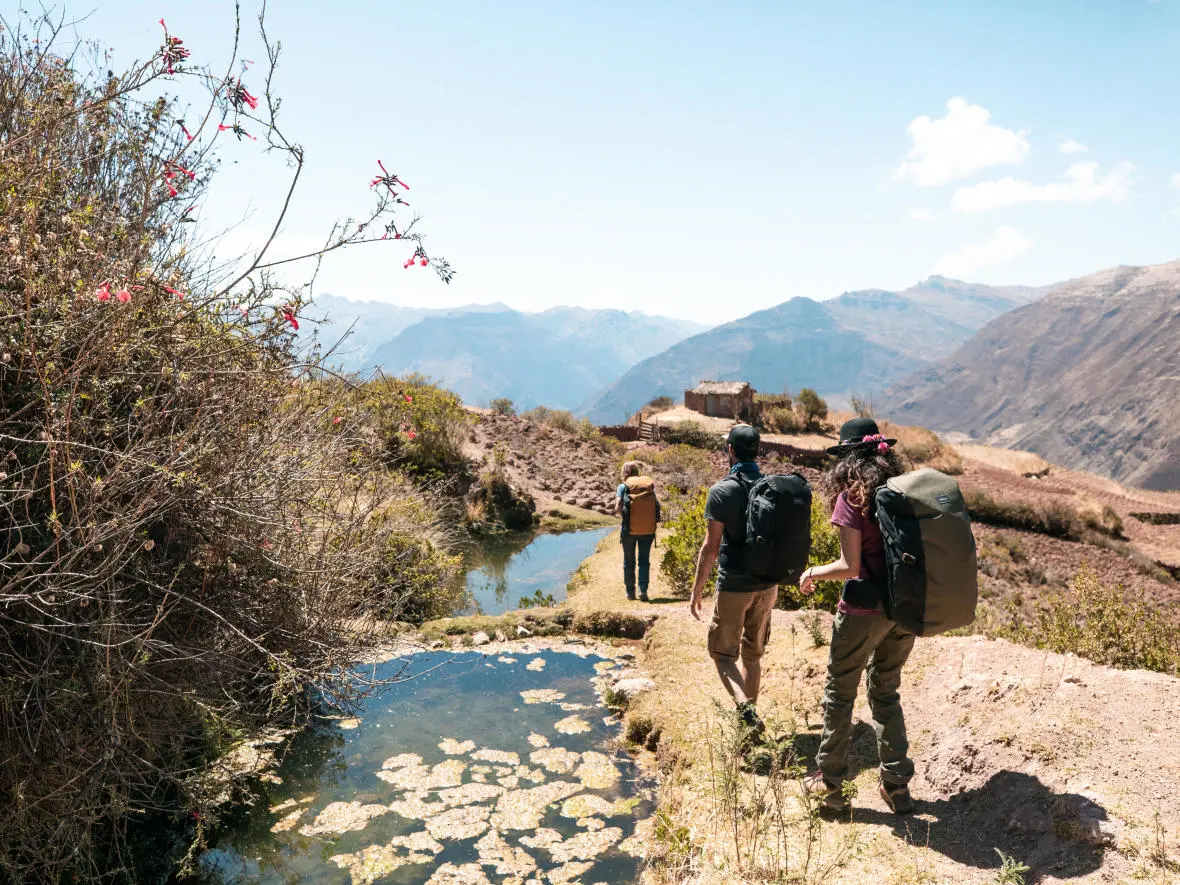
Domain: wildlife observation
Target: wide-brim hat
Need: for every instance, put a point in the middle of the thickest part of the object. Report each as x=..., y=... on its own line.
x=861, y=434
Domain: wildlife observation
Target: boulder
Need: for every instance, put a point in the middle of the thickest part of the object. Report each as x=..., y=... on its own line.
x=522, y=632
x=635, y=685
x=480, y=638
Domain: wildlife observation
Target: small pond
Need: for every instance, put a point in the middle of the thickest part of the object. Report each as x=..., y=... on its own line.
x=472, y=769
x=505, y=570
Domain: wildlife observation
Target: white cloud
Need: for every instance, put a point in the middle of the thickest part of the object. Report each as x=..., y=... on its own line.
x=1175, y=179
x=1071, y=146
x=1082, y=184
x=1000, y=248
x=958, y=145
x=920, y=213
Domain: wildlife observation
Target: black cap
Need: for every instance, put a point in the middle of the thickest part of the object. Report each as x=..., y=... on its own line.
x=745, y=441
x=853, y=433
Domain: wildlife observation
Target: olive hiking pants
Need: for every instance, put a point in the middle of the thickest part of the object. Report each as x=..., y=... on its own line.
x=875, y=643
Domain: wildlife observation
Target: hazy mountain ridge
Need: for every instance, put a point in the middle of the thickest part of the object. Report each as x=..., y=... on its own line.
x=558, y=357
x=860, y=341
x=1089, y=377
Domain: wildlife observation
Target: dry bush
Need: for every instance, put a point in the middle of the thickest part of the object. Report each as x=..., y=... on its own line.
x=184, y=525
x=1024, y=463
x=1099, y=623
x=1054, y=518
x=924, y=448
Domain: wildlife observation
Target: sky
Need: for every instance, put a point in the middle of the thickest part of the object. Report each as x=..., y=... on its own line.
x=704, y=160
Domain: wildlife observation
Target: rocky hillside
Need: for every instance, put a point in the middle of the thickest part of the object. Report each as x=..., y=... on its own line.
x=558, y=358
x=861, y=341
x=1089, y=376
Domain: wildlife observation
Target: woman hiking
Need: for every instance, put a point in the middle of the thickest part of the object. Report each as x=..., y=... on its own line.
x=862, y=636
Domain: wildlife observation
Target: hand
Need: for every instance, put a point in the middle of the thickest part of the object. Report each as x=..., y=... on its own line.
x=698, y=602
x=806, y=584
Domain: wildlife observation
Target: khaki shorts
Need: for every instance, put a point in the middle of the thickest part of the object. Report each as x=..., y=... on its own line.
x=741, y=624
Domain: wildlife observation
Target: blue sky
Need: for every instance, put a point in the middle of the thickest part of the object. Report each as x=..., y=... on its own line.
x=704, y=160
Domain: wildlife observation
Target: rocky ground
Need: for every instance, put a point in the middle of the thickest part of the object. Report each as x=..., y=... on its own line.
x=553, y=465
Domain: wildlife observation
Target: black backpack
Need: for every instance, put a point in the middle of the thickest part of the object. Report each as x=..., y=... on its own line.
x=778, y=527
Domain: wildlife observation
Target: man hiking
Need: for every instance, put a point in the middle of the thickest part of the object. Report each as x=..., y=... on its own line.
x=741, y=612
x=637, y=502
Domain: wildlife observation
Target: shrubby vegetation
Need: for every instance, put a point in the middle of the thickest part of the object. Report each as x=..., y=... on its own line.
x=503, y=406
x=784, y=413
x=1100, y=623
x=678, y=467
x=825, y=548
x=689, y=433
x=188, y=521
x=582, y=427
x=1048, y=517
x=686, y=533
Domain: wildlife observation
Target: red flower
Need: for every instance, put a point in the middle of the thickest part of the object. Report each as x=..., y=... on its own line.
x=422, y=262
x=103, y=292
x=175, y=292
x=409, y=398
x=290, y=318
x=412, y=435
x=122, y=296
x=337, y=419
x=237, y=130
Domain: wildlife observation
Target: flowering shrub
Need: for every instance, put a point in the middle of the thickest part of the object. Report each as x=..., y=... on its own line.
x=181, y=537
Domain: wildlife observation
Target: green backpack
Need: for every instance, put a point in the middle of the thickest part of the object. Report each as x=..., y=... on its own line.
x=930, y=559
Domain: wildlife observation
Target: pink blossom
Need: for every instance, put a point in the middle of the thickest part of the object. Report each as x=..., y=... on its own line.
x=337, y=419
x=412, y=435
x=175, y=292
x=122, y=296
x=290, y=318
x=883, y=447
x=103, y=292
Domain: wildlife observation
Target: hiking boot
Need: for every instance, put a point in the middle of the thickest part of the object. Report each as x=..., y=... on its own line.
x=752, y=721
x=896, y=796
x=643, y=596
x=828, y=797
x=631, y=595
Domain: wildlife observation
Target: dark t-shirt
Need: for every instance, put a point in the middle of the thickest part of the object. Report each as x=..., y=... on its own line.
x=862, y=596
x=727, y=505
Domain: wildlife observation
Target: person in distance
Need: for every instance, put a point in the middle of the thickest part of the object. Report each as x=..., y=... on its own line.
x=636, y=501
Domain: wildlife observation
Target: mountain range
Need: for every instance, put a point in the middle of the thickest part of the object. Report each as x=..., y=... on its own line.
x=559, y=357
x=1088, y=376
x=859, y=342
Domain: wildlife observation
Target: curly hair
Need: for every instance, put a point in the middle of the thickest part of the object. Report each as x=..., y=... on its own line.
x=860, y=473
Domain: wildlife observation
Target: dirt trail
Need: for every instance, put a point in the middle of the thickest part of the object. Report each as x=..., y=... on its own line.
x=1071, y=768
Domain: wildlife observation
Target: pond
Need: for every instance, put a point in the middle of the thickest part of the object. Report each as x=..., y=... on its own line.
x=471, y=769
x=505, y=570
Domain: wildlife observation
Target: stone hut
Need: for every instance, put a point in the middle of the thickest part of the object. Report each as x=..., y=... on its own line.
x=721, y=399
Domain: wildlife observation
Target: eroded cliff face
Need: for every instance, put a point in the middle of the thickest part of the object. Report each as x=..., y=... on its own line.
x=1088, y=377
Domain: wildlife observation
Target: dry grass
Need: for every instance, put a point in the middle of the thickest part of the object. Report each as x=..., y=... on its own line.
x=1024, y=463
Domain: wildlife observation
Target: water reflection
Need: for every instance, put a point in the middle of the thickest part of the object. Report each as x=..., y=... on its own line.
x=509, y=567
x=463, y=769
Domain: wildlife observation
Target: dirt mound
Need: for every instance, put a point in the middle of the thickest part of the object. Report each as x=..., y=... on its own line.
x=552, y=464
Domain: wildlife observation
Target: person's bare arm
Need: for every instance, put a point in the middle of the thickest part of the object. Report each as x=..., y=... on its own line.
x=705, y=560
x=847, y=566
